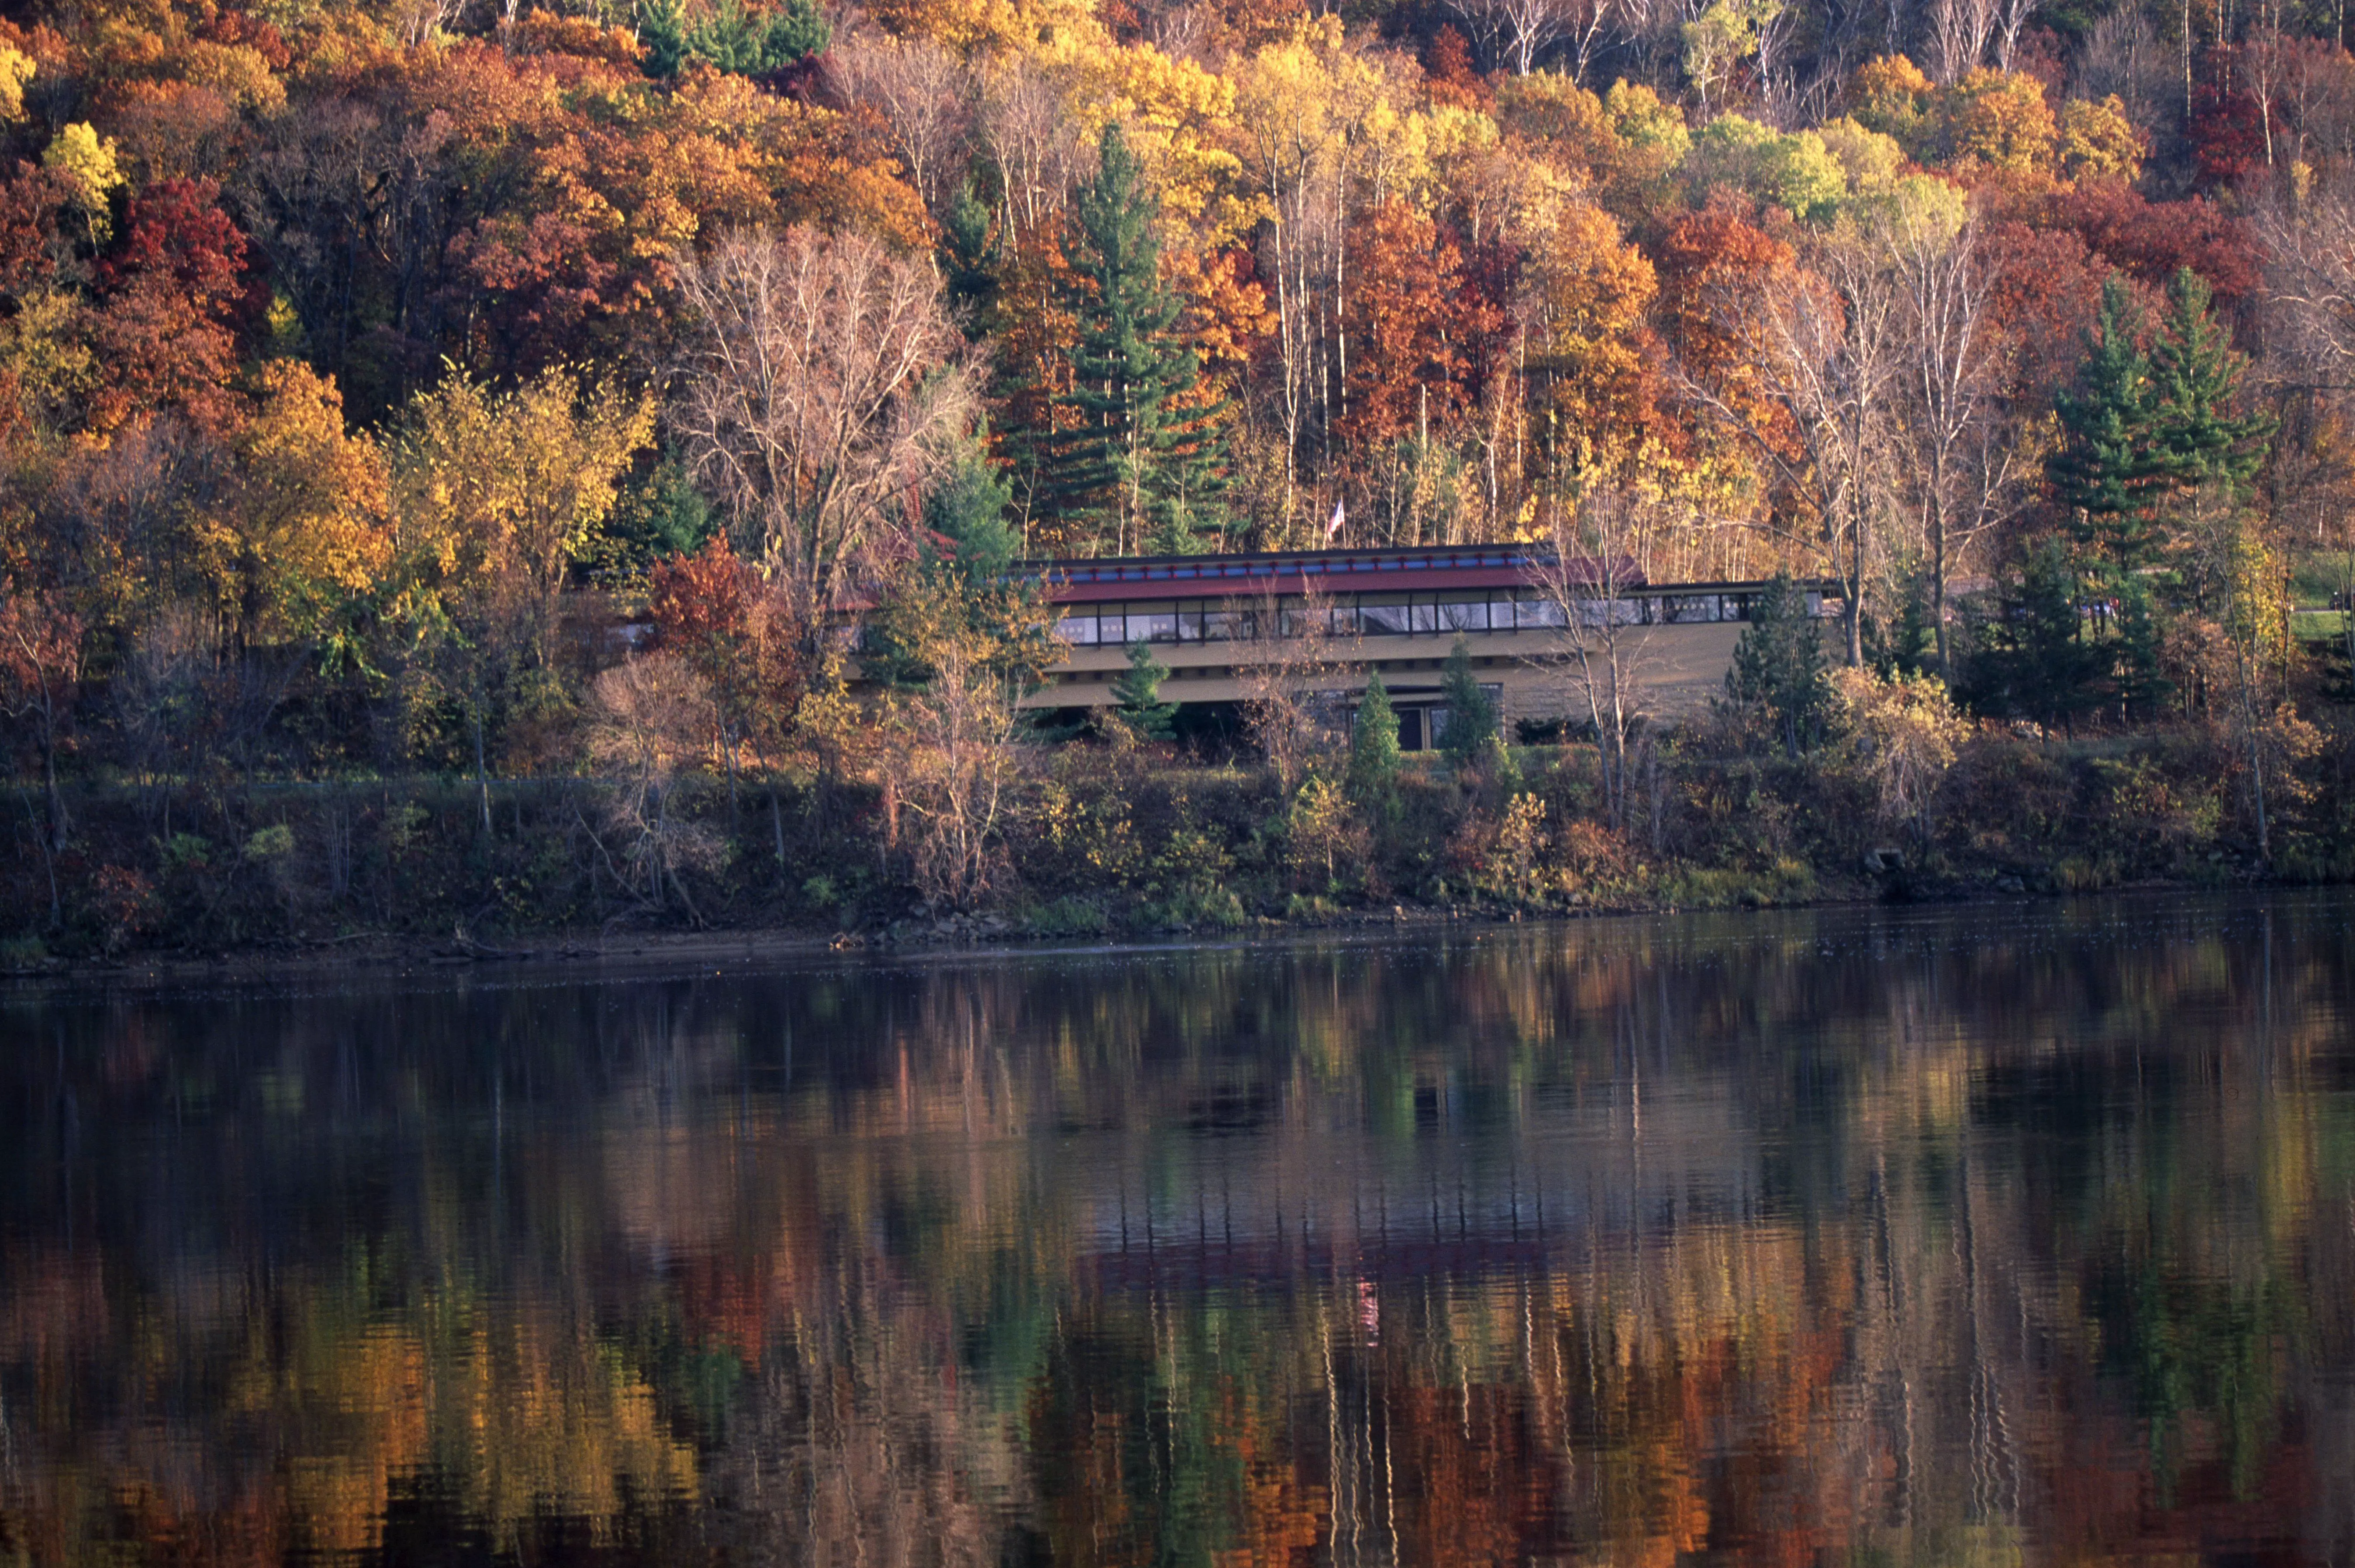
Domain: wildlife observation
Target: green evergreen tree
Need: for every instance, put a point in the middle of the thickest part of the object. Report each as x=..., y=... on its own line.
x=2037, y=663
x=655, y=517
x=2106, y=471
x=730, y=37
x=2142, y=686
x=1780, y=668
x=1139, y=691
x=1472, y=735
x=970, y=254
x=1909, y=645
x=968, y=510
x=662, y=33
x=1374, y=750
x=2196, y=376
x=1134, y=460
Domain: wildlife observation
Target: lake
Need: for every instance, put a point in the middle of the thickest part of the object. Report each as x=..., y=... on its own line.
x=1989, y=1235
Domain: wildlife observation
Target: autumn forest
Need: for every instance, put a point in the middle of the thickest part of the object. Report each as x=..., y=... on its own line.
x=492, y=419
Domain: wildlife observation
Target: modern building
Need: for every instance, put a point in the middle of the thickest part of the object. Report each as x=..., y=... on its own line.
x=1396, y=610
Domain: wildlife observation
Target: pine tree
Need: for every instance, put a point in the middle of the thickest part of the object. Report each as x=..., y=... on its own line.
x=971, y=253
x=1471, y=735
x=1780, y=669
x=2038, y=664
x=968, y=510
x=1136, y=459
x=1141, y=707
x=730, y=37
x=1374, y=750
x=662, y=33
x=2106, y=471
x=2142, y=684
x=2196, y=375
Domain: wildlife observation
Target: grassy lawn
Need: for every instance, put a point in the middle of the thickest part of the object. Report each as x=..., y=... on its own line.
x=2313, y=579
x=2318, y=626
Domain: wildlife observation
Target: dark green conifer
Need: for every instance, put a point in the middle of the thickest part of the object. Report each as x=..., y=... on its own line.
x=1780, y=668
x=1471, y=736
x=1139, y=691
x=968, y=510
x=2106, y=473
x=1374, y=748
x=1133, y=459
x=662, y=33
x=2037, y=663
x=2196, y=376
x=971, y=253
x=2142, y=686
x=730, y=37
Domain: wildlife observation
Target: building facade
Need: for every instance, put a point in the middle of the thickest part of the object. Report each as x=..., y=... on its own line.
x=1214, y=621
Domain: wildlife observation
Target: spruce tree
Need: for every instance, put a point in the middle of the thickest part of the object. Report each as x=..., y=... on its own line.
x=967, y=510
x=730, y=38
x=1374, y=748
x=1133, y=458
x=2106, y=471
x=1141, y=707
x=1471, y=735
x=1780, y=669
x=2038, y=664
x=2196, y=375
x=971, y=253
x=2142, y=684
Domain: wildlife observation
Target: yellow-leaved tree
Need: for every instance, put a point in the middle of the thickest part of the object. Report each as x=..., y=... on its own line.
x=308, y=532
x=496, y=494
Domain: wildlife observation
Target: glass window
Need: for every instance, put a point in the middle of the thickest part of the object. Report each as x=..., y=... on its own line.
x=1080, y=630
x=1153, y=623
x=1426, y=617
x=1226, y=625
x=1189, y=622
x=1457, y=615
x=1500, y=613
x=1386, y=616
x=1539, y=612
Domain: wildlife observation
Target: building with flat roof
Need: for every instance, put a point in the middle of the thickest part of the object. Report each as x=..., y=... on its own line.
x=1396, y=610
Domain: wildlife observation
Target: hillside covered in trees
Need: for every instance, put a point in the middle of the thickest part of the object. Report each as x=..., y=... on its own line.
x=364, y=367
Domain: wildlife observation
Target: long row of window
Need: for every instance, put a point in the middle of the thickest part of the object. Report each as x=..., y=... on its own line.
x=1382, y=614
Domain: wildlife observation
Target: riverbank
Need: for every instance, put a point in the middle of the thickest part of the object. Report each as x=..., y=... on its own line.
x=1096, y=843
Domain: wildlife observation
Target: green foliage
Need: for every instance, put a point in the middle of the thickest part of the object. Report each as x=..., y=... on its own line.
x=1909, y=645
x=1472, y=737
x=659, y=514
x=2105, y=471
x=1065, y=916
x=1136, y=459
x=1794, y=171
x=1780, y=668
x=2137, y=427
x=970, y=254
x=2196, y=376
x=969, y=508
x=2142, y=686
x=2036, y=662
x=1141, y=709
x=1374, y=750
x=730, y=37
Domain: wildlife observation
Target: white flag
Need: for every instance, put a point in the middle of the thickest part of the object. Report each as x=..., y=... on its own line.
x=1334, y=527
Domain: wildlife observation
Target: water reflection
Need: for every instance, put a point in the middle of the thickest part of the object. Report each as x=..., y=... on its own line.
x=1986, y=1236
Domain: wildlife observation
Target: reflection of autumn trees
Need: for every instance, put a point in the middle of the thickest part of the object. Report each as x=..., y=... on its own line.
x=1945, y=1236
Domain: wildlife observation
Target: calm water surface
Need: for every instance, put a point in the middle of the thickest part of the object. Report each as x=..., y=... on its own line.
x=1987, y=1236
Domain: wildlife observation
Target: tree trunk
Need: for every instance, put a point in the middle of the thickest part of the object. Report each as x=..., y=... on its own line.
x=482, y=773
